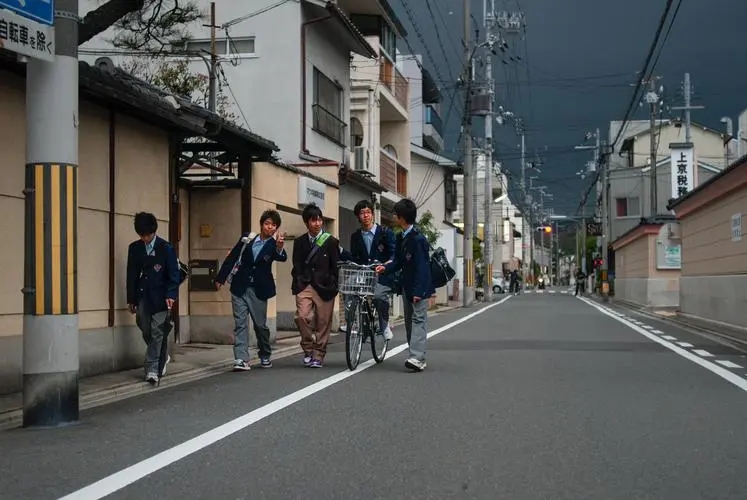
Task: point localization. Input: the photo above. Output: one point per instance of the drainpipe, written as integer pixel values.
(304, 149)
(112, 197)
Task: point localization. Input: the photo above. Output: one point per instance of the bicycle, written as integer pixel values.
(357, 284)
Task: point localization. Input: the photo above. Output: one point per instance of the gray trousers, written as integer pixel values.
(416, 326)
(244, 307)
(153, 327)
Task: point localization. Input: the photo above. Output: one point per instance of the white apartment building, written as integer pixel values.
(630, 168)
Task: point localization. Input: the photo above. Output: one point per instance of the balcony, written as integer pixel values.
(328, 125)
(433, 129)
(396, 88)
(392, 175)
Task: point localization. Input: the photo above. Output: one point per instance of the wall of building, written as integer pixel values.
(141, 152)
(411, 71)
(637, 278)
(714, 268)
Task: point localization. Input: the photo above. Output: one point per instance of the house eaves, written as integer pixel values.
(358, 43)
(441, 161)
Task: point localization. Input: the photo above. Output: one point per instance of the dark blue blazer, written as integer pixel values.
(256, 274)
(382, 250)
(413, 258)
(152, 278)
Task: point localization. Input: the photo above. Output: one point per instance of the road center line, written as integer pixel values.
(721, 372)
(126, 477)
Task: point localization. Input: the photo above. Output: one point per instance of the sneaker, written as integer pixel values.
(168, 360)
(307, 359)
(151, 377)
(265, 362)
(241, 366)
(315, 363)
(415, 364)
(388, 334)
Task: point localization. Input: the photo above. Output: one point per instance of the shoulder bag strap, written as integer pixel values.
(318, 244)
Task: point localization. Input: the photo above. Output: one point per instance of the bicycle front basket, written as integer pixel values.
(357, 281)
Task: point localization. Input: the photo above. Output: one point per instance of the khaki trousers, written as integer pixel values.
(314, 320)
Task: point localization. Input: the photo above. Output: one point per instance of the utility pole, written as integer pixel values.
(606, 151)
(526, 210)
(213, 61)
(50, 322)
(488, 232)
(687, 91)
(468, 270)
(652, 98)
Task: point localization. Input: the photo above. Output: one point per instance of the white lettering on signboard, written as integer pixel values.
(311, 191)
(26, 37)
(682, 171)
(736, 227)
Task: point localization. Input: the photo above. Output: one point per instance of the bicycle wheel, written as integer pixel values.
(354, 338)
(379, 345)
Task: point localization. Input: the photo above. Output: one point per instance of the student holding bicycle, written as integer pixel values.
(373, 243)
(315, 257)
(412, 257)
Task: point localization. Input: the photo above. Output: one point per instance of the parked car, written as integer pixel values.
(499, 283)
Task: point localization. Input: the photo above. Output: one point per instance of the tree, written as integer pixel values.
(151, 26)
(176, 78)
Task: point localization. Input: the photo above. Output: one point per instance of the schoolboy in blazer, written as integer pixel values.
(315, 257)
(248, 267)
(374, 243)
(412, 256)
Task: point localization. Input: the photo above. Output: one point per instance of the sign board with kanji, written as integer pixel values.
(594, 229)
(26, 37)
(682, 168)
(736, 227)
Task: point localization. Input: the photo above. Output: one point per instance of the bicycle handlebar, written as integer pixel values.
(350, 263)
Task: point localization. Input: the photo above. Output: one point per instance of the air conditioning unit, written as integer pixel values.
(362, 159)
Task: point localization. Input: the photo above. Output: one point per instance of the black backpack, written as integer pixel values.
(441, 270)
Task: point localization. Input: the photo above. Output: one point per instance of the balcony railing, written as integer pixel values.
(394, 81)
(388, 172)
(392, 174)
(328, 124)
(401, 87)
(433, 118)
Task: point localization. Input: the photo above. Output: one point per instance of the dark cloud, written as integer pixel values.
(579, 59)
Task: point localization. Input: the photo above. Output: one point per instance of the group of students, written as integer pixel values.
(153, 279)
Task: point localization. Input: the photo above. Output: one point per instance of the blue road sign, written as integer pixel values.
(41, 11)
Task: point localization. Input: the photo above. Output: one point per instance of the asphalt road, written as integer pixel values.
(540, 397)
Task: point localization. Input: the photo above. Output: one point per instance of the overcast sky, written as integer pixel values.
(579, 59)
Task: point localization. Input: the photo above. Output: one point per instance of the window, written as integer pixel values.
(388, 40)
(628, 207)
(236, 47)
(328, 108)
(356, 132)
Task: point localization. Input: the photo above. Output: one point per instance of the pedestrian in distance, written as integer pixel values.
(248, 269)
(412, 257)
(315, 257)
(373, 243)
(152, 288)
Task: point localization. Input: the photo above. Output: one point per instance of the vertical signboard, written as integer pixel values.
(682, 168)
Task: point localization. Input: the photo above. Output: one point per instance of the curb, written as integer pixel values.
(14, 418)
(676, 320)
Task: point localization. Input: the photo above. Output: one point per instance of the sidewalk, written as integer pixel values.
(724, 331)
(189, 362)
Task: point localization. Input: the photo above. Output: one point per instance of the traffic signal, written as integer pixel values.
(547, 229)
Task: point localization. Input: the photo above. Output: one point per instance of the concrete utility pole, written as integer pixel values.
(687, 91)
(488, 232)
(213, 61)
(50, 321)
(468, 270)
(652, 98)
(606, 152)
(526, 210)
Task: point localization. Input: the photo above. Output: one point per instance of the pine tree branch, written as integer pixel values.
(100, 19)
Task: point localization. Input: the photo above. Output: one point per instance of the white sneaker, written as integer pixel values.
(415, 364)
(388, 334)
(152, 377)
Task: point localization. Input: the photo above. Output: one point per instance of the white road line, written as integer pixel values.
(126, 477)
(701, 352)
(647, 327)
(668, 337)
(658, 332)
(728, 364)
(563, 292)
(685, 344)
(718, 370)
(552, 291)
